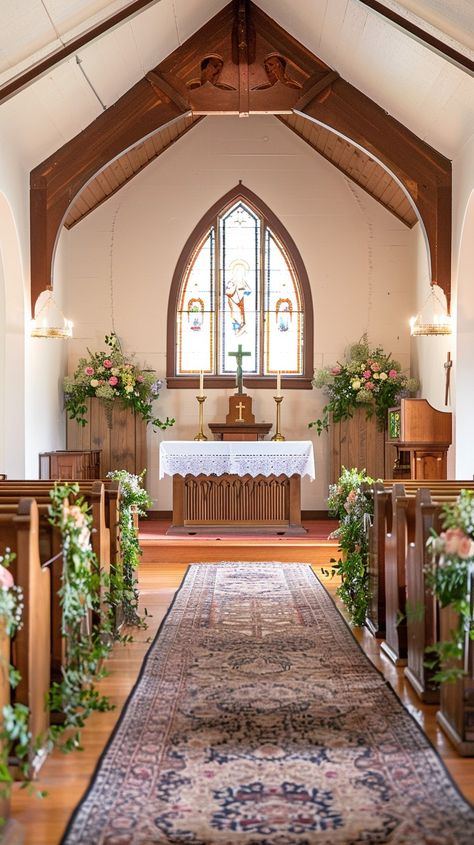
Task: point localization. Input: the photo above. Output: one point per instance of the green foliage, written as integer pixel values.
(451, 578)
(109, 376)
(76, 696)
(369, 378)
(15, 737)
(124, 586)
(347, 501)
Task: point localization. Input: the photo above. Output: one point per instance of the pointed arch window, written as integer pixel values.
(240, 280)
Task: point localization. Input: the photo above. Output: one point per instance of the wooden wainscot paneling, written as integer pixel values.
(123, 445)
(357, 442)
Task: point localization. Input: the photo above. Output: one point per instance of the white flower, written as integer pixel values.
(382, 376)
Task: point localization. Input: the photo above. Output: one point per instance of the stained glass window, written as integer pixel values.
(240, 287)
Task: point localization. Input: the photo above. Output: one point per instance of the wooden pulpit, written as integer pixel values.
(421, 436)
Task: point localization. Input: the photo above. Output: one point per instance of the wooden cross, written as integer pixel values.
(239, 373)
(240, 407)
(447, 367)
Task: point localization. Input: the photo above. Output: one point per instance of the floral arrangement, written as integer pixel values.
(109, 375)
(348, 502)
(451, 576)
(134, 500)
(369, 378)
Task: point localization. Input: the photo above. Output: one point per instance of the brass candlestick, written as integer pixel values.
(200, 435)
(278, 435)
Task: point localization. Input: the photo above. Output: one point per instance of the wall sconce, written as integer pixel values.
(49, 320)
(433, 318)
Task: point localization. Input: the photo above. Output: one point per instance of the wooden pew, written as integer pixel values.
(19, 530)
(456, 712)
(50, 548)
(422, 607)
(381, 526)
(104, 500)
(397, 544)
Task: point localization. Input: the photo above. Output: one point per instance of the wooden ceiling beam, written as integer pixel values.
(164, 87)
(422, 36)
(424, 173)
(39, 69)
(56, 182)
(225, 68)
(241, 26)
(315, 89)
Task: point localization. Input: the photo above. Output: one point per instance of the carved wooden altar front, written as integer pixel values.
(237, 504)
(236, 487)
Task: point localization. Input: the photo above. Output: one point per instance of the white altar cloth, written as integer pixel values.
(235, 457)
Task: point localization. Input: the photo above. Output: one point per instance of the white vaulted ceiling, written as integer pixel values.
(430, 95)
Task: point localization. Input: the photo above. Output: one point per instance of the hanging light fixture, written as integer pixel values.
(433, 317)
(49, 320)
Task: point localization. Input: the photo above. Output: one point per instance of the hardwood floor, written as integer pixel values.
(66, 777)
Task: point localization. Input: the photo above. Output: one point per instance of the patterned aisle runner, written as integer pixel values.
(257, 720)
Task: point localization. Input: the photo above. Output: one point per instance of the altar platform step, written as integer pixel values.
(313, 547)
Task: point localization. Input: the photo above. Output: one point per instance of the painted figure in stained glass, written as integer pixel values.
(284, 314)
(236, 289)
(195, 314)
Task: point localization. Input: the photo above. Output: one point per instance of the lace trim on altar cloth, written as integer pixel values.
(294, 462)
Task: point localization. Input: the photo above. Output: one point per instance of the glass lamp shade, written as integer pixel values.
(49, 320)
(433, 318)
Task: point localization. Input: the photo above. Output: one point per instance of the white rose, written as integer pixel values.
(382, 376)
(375, 375)
(356, 384)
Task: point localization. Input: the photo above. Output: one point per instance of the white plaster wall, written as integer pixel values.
(12, 341)
(428, 354)
(463, 301)
(359, 260)
(46, 426)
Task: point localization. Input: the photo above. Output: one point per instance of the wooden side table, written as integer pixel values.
(70, 465)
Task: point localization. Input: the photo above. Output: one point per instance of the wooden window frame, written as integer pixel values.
(301, 382)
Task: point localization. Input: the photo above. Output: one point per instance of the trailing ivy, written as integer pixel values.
(347, 501)
(76, 695)
(15, 736)
(124, 584)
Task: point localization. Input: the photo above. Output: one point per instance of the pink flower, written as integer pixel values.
(465, 548)
(6, 578)
(369, 385)
(452, 538)
(392, 374)
(366, 374)
(140, 379)
(89, 371)
(350, 500)
(113, 380)
(108, 364)
(375, 367)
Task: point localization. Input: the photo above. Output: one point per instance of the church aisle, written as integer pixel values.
(66, 777)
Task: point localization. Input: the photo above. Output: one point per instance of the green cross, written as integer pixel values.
(239, 374)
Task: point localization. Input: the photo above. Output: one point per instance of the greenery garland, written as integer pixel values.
(76, 695)
(451, 577)
(347, 501)
(133, 499)
(15, 737)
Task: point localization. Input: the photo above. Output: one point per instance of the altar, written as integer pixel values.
(236, 487)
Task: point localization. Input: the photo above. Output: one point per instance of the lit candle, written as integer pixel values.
(201, 383)
(278, 383)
